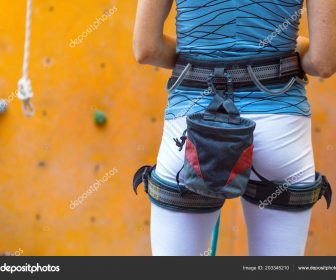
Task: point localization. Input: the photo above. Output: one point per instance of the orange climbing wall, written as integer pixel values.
(49, 160)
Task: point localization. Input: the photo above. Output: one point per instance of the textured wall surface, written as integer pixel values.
(49, 160)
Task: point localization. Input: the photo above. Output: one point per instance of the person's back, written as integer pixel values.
(234, 30)
(209, 32)
(231, 29)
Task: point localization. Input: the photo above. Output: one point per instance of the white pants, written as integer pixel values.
(282, 150)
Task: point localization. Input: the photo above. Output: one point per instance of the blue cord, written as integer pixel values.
(214, 239)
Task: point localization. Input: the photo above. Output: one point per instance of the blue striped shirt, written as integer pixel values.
(228, 30)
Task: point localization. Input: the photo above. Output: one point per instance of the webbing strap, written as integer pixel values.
(300, 195)
(244, 74)
(172, 198)
(222, 110)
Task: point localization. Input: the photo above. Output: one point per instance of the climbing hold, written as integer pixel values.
(3, 106)
(100, 118)
(41, 163)
(97, 167)
(46, 61)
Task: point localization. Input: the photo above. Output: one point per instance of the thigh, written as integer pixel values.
(273, 232)
(283, 149)
(180, 234)
(174, 233)
(170, 159)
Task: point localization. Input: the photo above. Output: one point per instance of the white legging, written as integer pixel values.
(282, 150)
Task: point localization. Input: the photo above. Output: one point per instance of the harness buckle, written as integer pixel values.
(211, 84)
(281, 68)
(223, 79)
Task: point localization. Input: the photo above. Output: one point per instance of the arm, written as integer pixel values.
(302, 45)
(150, 45)
(320, 58)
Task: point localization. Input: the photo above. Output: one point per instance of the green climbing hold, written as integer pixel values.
(100, 117)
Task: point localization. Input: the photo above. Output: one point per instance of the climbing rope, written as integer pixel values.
(214, 238)
(25, 92)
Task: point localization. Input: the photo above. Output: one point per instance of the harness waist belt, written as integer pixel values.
(272, 70)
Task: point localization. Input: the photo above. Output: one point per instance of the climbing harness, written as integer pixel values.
(288, 195)
(167, 195)
(219, 142)
(25, 92)
(246, 75)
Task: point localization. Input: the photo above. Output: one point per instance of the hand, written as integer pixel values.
(302, 45)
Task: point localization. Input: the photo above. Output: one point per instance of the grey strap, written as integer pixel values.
(223, 110)
(239, 72)
(171, 197)
(297, 195)
(175, 199)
